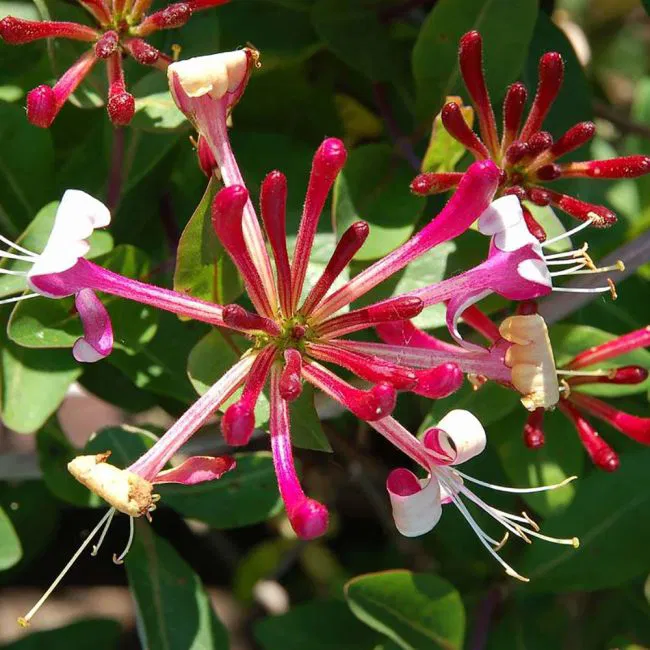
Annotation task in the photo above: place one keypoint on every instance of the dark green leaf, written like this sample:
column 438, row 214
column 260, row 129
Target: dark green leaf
column 506, row 28
column 89, row 634
column 173, row 606
column 371, row 188
column 126, row 444
column 418, row 611
column 611, row 515
column 318, row 625
column 306, row 429
column 10, row 549
column 245, row 495
column 354, row 33
column 203, row 269
column 155, row 110
column 26, row 169
column 34, row 383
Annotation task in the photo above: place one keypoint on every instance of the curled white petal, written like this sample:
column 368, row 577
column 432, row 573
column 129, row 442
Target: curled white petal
column 417, row 514
column 215, row 74
column 464, row 436
column 76, row 218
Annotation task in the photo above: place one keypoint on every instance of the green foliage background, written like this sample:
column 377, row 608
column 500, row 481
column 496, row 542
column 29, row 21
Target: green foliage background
column 374, row 73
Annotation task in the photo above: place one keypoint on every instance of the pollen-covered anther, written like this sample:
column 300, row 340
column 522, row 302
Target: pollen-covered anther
column 123, row 490
column 531, row 359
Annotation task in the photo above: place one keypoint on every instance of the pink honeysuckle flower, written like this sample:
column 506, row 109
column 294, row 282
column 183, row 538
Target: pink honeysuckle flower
column 526, row 155
column 575, row 404
column 292, row 337
column 119, row 31
column 417, row 503
column 131, row 492
column 517, row 268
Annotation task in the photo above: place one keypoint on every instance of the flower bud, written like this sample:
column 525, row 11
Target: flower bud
column 121, row 108
column 42, row 106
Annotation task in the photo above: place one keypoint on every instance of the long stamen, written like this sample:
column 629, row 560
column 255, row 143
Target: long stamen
column 10, row 272
column 97, row 546
column 505, row 488
column 127, row 548
column 618, row 266
column 23, row 621
column 18, row 298
column 569, row 233
column 578, row 252
column 12, row 244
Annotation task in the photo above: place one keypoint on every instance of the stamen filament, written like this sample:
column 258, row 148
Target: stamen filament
column 568, row 233
column 503, row 488
column 18, row 298
column 120, row 559
column 17, row 247
column 97, row 546
column 577, row 252
column 14, row 256
column 10, row 272
column 23, row 621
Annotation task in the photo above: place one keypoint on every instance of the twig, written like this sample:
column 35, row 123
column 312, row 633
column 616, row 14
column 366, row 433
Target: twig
column 560, row 305
column 621, row 121
column 114, row 190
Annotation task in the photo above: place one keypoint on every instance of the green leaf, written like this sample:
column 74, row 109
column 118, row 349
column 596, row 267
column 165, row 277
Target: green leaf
column 354, row 33
column 418, row 611
column 47, row 323
column 159, row 366
column 203, row 269
column 34, row 383
column 317, row 625
column 283, row 35
column 26, row 169
column 561, row 457
column 89, row 634
column 306, row 429
column 173, row 607
column 610, row 514
column 506, row 28
column 10, row 548
column 569, row 340
column 54, row 453
column 372, row 188
column 34, row 238
column 246, row 495
column 155, row 110
column 126, row 444
column 209, row 360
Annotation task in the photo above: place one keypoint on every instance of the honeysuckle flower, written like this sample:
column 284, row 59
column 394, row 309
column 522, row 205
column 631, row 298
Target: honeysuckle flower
column 575, row 404
column 417, row 503
column 131, row 492
column 517, row 268
column 294, row 331
column 526, row 155
column 119, row 32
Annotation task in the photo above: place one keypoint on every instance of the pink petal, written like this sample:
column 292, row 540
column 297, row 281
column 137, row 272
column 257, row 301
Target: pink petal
column 197, row 469
column 97, row 341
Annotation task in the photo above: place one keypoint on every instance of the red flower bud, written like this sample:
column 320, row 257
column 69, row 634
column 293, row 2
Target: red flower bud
column 207, row 161
column 575, row 137
column 549, row 172
column 17, row 31
column 538, row 142
column 107, row 44
column 516, row 151
column 41, row 106
column 534, row 228
column 533, row 431
column 513, row 110
column 455, row 124
column 121, row 108
column 539, row 196
column 623, row 167
column 431, row 183
column 582, row 210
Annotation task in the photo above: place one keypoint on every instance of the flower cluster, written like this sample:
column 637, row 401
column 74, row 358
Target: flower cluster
column 120, row 29
column 299, row 333
column 526, row 155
